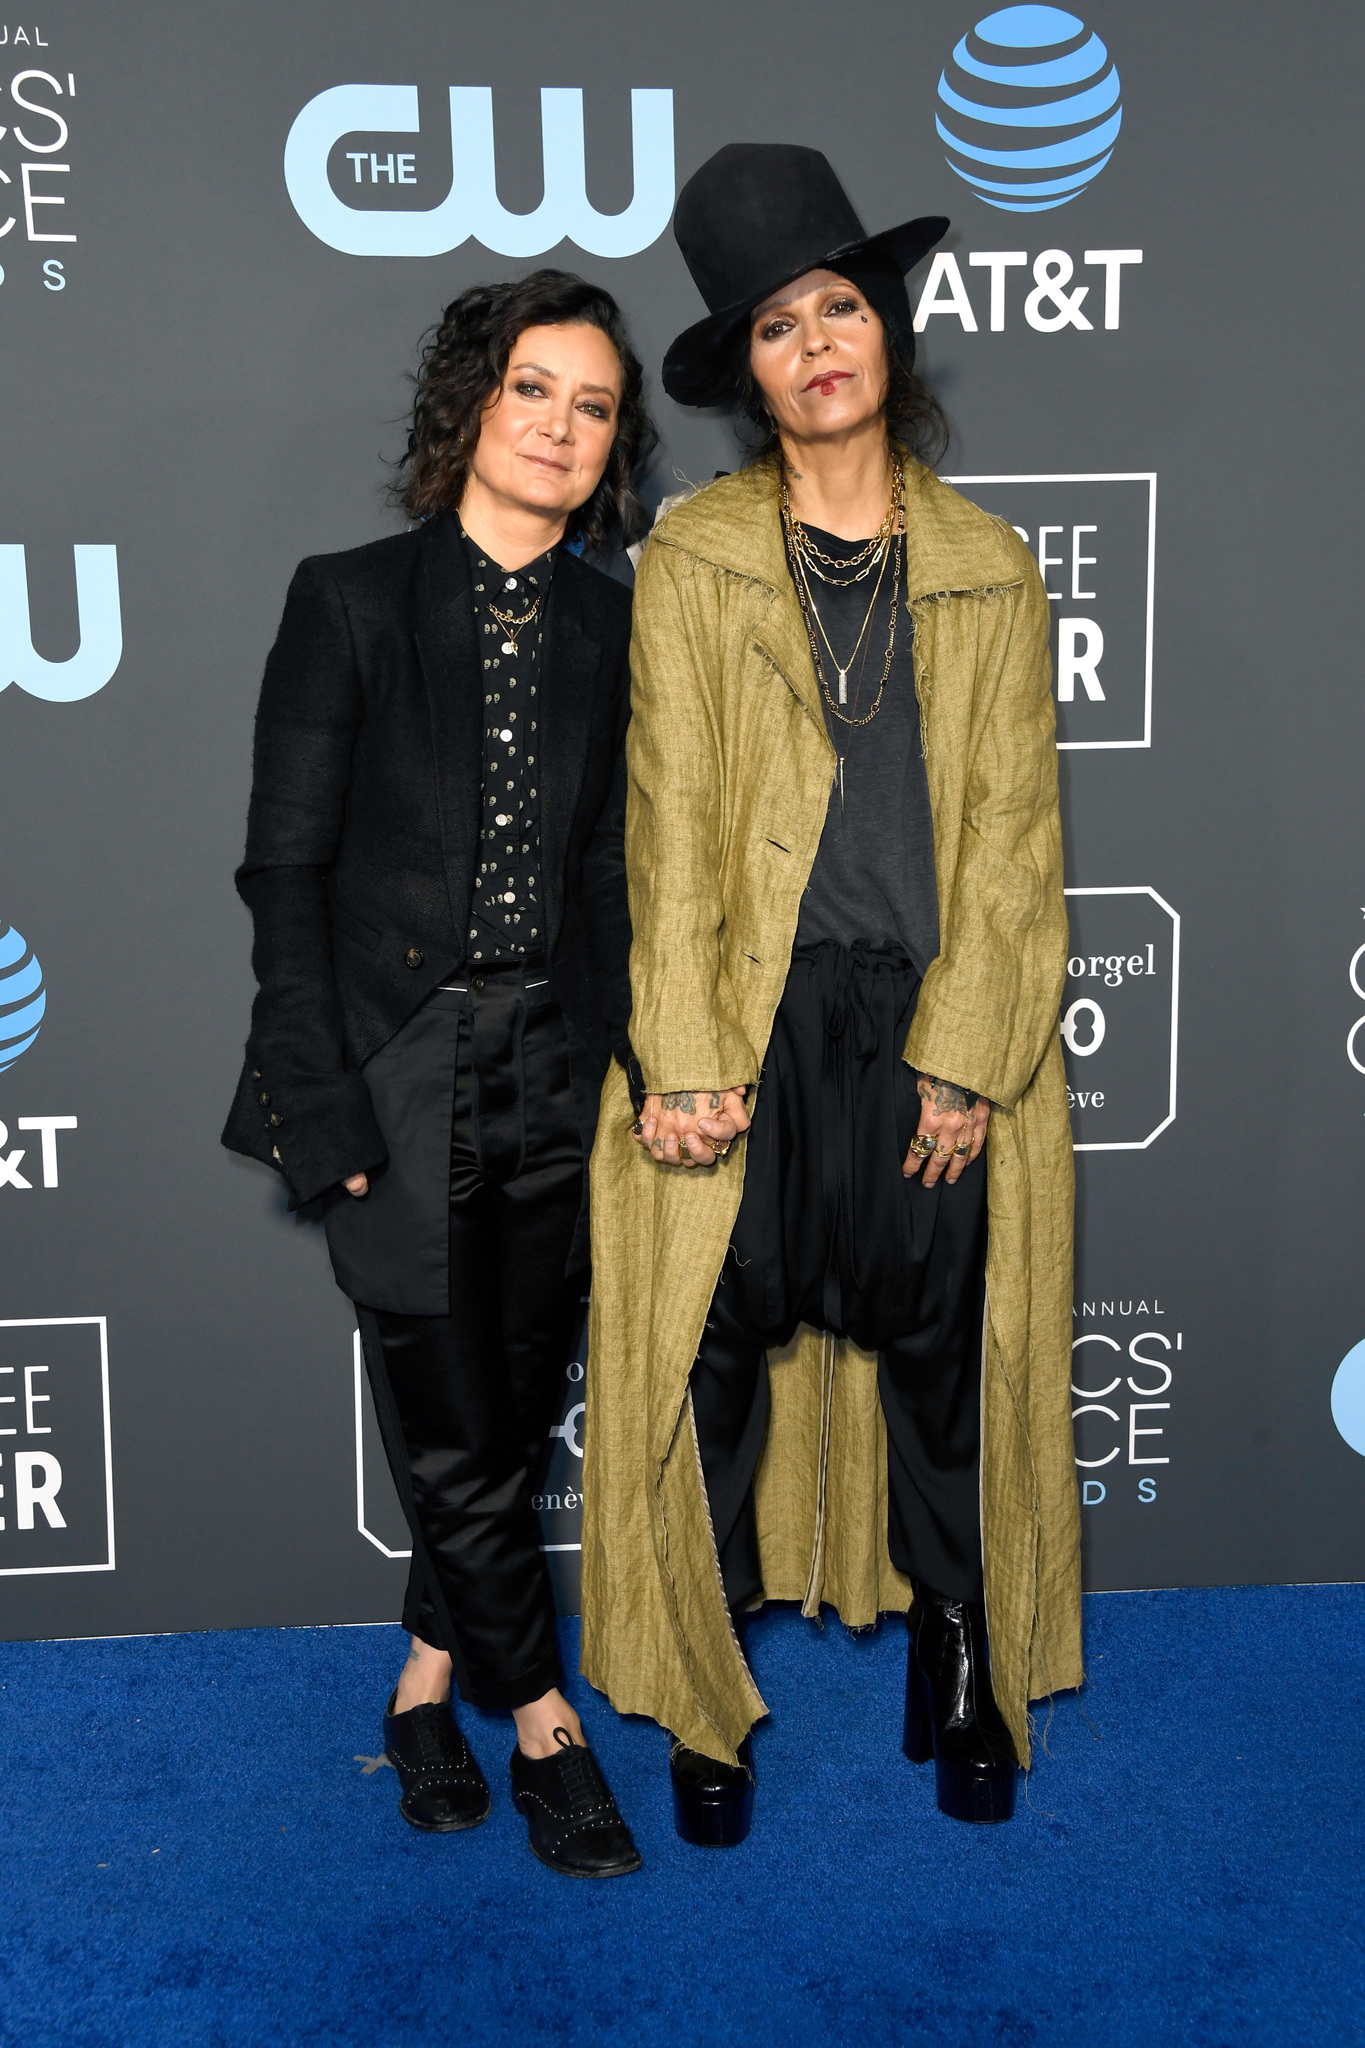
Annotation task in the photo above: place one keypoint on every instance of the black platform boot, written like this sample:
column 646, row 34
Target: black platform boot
column 443, row 1787
column 575, row 1825
column 950, row 1710
column 713, row 1804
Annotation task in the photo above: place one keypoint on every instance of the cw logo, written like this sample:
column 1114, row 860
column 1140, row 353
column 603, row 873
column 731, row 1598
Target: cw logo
column 472, row 207
column 101, row 628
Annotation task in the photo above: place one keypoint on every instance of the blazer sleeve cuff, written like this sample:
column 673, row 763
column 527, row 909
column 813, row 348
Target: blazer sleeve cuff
column 314, row 1133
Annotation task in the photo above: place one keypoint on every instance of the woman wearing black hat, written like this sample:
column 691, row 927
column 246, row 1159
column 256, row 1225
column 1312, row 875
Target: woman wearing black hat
column 833, row 1363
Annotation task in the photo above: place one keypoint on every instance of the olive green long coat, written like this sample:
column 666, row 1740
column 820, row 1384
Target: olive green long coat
column 730, row 772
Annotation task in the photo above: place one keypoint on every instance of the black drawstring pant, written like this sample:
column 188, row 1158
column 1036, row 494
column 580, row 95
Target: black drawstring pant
column 465, row 1401
column 831, row 1233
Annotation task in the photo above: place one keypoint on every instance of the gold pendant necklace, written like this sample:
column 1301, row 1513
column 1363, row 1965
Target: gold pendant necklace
column 894, row 526
column 876, row 553
column 851, row 717
column 512, row 626
column 842, row 668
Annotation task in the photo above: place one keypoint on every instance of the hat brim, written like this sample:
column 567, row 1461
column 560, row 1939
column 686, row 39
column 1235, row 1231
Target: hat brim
column 698, row 368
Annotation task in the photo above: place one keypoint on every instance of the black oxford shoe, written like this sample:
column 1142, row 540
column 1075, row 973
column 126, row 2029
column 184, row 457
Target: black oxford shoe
column 950, row 1710
column 443, row 1787
column 574, row 1823
column 713, row 1804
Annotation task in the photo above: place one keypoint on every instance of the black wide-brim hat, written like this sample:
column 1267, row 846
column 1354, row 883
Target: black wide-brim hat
column 755, row 216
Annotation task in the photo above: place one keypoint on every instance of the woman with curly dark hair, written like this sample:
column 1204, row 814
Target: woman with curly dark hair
column 434, row 869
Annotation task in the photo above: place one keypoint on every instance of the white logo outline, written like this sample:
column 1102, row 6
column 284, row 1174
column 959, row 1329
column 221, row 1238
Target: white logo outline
column 1145, row 889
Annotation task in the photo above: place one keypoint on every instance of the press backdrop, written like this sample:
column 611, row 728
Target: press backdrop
column 222, row 231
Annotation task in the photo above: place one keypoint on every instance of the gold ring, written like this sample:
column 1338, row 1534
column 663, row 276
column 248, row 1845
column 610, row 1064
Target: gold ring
column 719, row 1149
column 922, row 1146
column 963, row 1149
column 943, row 1151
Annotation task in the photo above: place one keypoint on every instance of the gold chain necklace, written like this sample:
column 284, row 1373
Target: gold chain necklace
column 846, row 717
column 807, row 607
column 801, row 547
column 868, row 557
column 842, row 667
column 893, row 524
column 512, row 626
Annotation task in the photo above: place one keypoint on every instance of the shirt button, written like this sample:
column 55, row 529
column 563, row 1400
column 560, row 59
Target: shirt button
column 510, row 896
column 504, row 735
column 477, row 984
column 413, row 957
column 265, row 1100
column 276, row 1119
column 511, row 583
column 502, row 819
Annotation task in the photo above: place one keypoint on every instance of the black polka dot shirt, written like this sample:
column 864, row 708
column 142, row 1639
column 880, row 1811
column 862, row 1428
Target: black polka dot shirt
column 507, row 913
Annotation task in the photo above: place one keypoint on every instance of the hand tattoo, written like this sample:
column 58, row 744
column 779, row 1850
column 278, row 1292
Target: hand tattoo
column 946, row 1097
column 686, row 1101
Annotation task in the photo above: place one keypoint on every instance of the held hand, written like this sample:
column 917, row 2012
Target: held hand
column 693, row 1127
column 358, row 1184
column 956, row 1126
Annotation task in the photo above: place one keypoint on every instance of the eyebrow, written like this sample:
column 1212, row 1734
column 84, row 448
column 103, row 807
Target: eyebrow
column 775, row 305
column 604, row 390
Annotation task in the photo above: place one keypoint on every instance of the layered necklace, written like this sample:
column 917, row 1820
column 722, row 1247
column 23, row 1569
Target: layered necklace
column 883, row 551
column 512, row 626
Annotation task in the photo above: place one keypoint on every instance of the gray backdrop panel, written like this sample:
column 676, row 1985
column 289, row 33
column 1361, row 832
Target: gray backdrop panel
column 198, row 381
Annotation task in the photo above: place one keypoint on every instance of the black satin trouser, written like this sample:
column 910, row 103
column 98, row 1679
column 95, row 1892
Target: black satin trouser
column 831, row 1233
column 465, row 1401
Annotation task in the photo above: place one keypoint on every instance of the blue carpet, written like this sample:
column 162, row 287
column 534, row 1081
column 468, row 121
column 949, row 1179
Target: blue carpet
column 193, row 1854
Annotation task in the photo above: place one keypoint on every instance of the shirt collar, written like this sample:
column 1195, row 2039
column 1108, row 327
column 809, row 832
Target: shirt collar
column 490, row 578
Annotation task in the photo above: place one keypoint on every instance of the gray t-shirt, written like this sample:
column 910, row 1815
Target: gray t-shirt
column 873, row 877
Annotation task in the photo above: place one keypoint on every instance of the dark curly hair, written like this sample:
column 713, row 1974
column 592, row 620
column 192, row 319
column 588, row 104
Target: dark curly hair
column 913, row 415
column 464, row 361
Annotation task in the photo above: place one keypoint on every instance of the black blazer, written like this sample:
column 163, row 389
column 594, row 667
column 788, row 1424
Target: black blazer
column 364, row 825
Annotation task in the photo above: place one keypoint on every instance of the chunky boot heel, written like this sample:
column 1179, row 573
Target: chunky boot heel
column 917, row 1741
column 984, row 1793
column 975, row 1767
column 713, row 1804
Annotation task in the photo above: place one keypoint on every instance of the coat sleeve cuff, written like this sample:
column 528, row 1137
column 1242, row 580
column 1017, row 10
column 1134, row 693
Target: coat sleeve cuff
column 314, row 1132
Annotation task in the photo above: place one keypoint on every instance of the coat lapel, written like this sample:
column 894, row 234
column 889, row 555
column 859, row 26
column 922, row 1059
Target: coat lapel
column 444, row 631
column 781, row 635
column 781, row 638
column 568, row 678
column 736, row 524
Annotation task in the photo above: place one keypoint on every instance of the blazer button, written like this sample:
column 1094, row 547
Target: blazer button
column 265, row 1100
column 275, row 1119
column 255, row 1073
column 413, row 958
column 477, row 984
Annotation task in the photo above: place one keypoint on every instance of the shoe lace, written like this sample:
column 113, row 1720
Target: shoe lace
column 580, row 1779
column 438, row 1739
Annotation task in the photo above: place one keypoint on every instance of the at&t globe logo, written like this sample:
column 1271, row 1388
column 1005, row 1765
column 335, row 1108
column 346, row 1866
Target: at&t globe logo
column 22, row 996
column 1031, row 108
